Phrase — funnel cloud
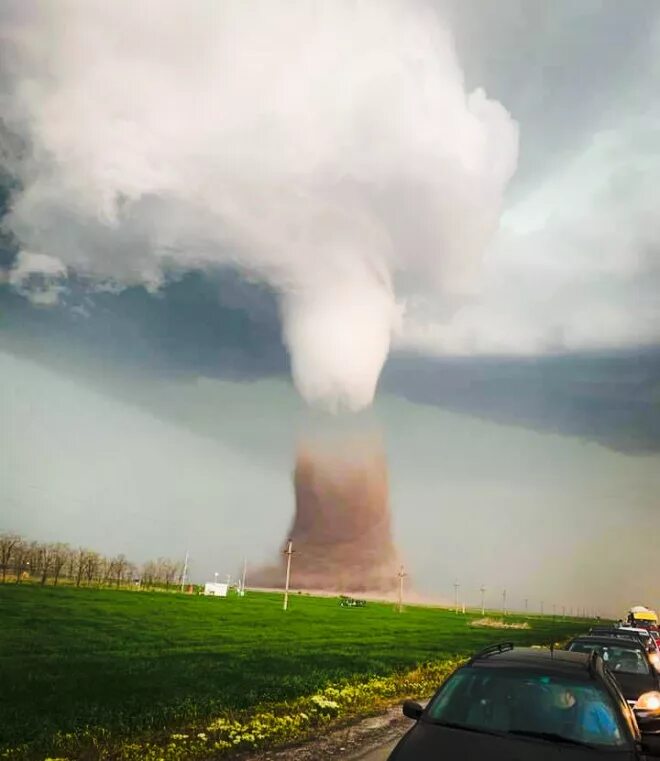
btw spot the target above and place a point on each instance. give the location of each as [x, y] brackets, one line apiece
[329, 149]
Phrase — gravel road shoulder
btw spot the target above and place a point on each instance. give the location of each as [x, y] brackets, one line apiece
[350, 742]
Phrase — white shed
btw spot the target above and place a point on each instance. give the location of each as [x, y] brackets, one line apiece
[216, 590]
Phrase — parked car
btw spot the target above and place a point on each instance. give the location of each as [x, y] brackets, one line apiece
[525, 703]
[350, 602]
[631, 632]
[627, 659]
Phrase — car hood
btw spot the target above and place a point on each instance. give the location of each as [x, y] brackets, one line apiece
[430, 742]
[634, 685]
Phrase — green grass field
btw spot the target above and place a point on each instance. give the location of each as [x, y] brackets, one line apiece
[138, 662]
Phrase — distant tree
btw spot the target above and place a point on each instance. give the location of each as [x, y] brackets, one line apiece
[119, 567]
[32, 561]
[149, 574]
[60, 554]
[171, 571]
[92, 567]
[8, 543]
[132, 573]
[71, 564]
[161, 570]
[45, 555]
[105, 569]
[79, 565]
[58, 560]
[20, 554]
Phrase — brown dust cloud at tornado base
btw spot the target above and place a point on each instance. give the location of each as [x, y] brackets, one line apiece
[341, 530]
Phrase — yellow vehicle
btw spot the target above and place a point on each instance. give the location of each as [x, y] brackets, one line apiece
[640, 615]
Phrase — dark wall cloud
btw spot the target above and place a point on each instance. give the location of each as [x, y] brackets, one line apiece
[223, 326]
[611, 399]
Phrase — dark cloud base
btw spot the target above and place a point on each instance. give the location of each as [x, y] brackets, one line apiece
[612, 399]
[219, 325]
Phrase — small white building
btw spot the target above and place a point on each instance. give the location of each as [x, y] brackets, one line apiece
[215, 590]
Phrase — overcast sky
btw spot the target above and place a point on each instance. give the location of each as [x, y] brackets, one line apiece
[522, 418]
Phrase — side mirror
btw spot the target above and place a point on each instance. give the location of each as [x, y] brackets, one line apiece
[412, 710]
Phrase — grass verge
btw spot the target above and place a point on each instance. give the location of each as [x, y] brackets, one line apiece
[266, 727]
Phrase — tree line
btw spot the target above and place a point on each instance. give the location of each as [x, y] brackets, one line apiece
[22, 560]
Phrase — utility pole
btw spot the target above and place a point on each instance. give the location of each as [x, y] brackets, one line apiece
[541, 607]
[243, 577]
[483, 600]
[402, 574]
[456, 587]
[185, 571]
[288, 552]
[526, 605]
[504, 603]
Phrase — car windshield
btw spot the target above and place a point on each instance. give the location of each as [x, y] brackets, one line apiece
[520, 702]
[619, 659]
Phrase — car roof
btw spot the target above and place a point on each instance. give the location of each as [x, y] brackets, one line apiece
[620, 633]
[559, 661]
[601, 639]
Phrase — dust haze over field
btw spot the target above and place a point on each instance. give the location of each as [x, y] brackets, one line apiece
[335, 195]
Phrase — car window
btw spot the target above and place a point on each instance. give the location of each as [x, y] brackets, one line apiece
[622, 660]
[519, 701]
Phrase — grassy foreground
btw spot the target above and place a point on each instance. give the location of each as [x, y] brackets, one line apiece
[133, 665]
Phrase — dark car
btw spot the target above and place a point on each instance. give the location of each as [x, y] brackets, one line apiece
[627, 632]
[350, 602]
[627, 659]
[526, 704]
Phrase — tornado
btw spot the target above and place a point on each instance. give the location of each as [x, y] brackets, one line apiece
[329, 150]
[341, 530]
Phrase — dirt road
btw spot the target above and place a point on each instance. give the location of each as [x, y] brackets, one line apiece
[380, 754]
[371, 739]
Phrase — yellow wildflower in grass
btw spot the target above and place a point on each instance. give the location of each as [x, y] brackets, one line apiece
[267, 727]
